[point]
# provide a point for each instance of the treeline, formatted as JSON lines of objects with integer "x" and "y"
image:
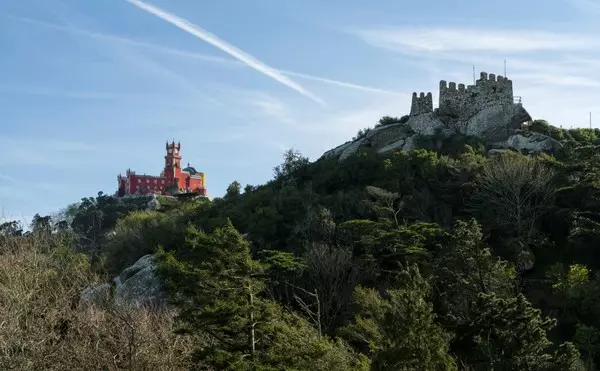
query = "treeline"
{"x": 419, "y": 260}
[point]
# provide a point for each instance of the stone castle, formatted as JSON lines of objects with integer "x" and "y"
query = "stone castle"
{"x": 487, "y": 110}
{"x": 462, "y": 102}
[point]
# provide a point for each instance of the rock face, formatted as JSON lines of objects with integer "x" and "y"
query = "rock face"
{"x": 535, "y": 143}
{"x": 138, "y": 285}
{"x": 135, "y": 287}
{"x": 485, "y": 110}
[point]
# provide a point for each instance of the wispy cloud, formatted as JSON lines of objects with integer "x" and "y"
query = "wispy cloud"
{"x": 127, "y": 41}
{"x": 191, "y": 55}
{"x": 226, "y": 47}
{"x": 436, "y": 40}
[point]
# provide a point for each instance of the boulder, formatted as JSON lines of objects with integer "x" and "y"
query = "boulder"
{"x": 138, "y": 285}
{"x": 535, "y": 142}
{"x": 135, "y": 287}
{"x": 337, "y": 151}
{"x": 382, "y": 136}
{"x": 496, "y": 123}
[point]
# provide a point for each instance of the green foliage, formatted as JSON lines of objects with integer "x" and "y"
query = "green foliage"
{"x": 398, "y": 330}
{"x": 138, "y": 234}
{"x": 490, "y": 240}
{"x": 388, "y": 120}
{"x": 509, "y": 334}
{"x": 218, "y": 286}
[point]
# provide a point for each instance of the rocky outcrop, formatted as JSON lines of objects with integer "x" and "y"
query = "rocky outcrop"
{"x": 138, "y": 285}
{"x": 534, "y": 143}
{"x": 135, "y": 287}
{"x": 497, "y": 125}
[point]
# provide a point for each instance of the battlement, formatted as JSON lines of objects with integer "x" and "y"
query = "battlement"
{"x": 464, "y": 101}
{"x": 421, "y": 104}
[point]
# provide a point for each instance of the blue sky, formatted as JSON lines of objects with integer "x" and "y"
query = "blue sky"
{"x": 91, "y": 88}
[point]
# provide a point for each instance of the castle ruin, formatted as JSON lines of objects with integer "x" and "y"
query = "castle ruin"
{"x": 462, "y": 102}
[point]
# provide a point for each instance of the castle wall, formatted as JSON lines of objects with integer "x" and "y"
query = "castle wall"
{"x": 453, "y": 100}
{"x": 421, "y": 104}
{"x": 463, "y": 102}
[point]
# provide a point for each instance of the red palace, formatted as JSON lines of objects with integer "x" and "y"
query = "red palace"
{"x": 172, "y": 180}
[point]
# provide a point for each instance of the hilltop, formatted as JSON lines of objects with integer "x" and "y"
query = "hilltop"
{"x": 487, "y": 112}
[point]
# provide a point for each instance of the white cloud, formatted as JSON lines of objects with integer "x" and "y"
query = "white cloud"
{"x": 223, "y": 62}
{"x": 438, "y": 40}
{"x": 226, "y": 47}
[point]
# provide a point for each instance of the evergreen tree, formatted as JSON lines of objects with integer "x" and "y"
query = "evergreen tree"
{"x": 398, "y": 330}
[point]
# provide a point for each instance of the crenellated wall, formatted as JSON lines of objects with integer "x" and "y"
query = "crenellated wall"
{"x": 421, "y": 104}
{"x": 463, "y": 102}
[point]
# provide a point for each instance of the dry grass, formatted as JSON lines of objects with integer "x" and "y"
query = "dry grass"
{"x": 42, "y": 328}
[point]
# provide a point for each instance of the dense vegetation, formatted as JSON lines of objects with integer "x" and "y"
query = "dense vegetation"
{"x": 422, "y": 260}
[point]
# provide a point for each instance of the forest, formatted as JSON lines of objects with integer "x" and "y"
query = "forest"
{"x": 434, "y": 259}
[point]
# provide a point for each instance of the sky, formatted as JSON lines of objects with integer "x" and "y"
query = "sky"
{"x": 90, "y": 88}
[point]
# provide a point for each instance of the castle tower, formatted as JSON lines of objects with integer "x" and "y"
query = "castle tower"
{"x": 173, "y": 163}
{"x": 421, "y": 104}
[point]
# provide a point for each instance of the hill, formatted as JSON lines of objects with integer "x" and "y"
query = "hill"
{"x": 449, "y": 257}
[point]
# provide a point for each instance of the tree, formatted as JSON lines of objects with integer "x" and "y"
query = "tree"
{"x": 587, "y": 339}
{"x": 292, "y": 162}
{"x": 387, "y": 120}
{"x": 233, "y": 190}
{"x": 398, "y": 329}
{"x": 41, "y": 224}
{"x": 217, "y": 287}
{"x": 507, "y": 334}
{"x": 463, "y": 268}
{"x": 11, "y": 229}
{"x": 514, "y": 191}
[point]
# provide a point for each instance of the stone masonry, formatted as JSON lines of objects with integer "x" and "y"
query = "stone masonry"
{"x": 462, "y": 102}
{"x": 421, "y": 104}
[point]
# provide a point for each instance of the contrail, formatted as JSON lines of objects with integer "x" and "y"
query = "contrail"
{"x": 342, "y": 83}
{"x": 187, "y": 54}
{"x": 226, "y": 47}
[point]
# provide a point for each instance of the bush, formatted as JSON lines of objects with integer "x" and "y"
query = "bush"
{"x": 42, "y": 327}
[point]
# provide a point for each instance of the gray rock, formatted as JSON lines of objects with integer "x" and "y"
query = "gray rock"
{"x": 495, "y": 151}
{"x": 397, "y": 145}
{"x": 382, "y": 136}
{"x": 95, "y": 295}
{"x": 426, "y": 124}
{"x": 352, "y": 148}
{"x": 138, "y": 285}
{"x": 135, "y": 287}
{"x": 496, "y": 123}
{"x": 536, "y": 142}
{"x": 410, "y": 143}
{"x": 337, "y": 151}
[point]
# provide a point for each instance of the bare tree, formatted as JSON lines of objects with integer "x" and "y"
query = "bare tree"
{"x": 516, "y": 190}
{"x": 331, "y": 277}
